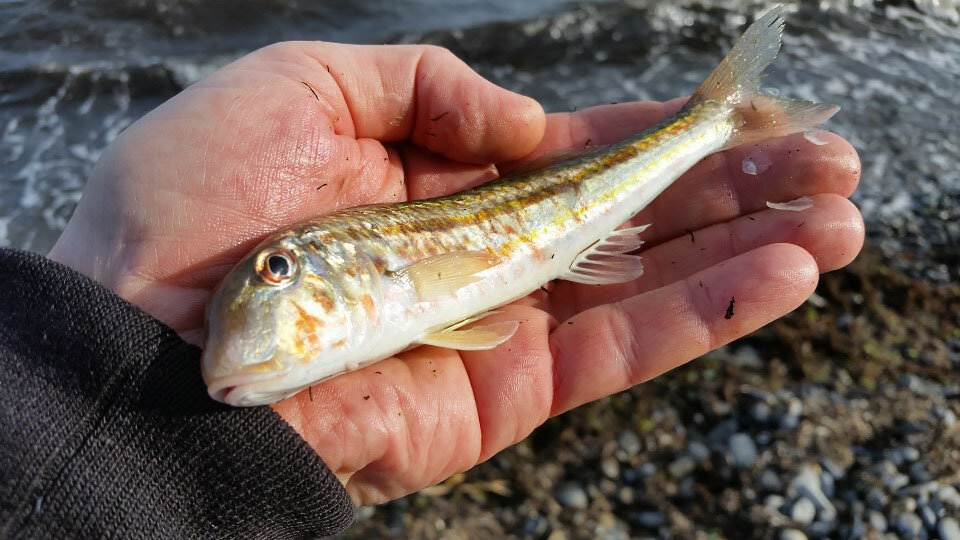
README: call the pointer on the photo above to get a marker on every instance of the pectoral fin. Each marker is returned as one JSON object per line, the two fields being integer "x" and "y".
{"x": 441, "y": 275}
{"x": 606, "y": 261}
{"x": 479, "y": 338}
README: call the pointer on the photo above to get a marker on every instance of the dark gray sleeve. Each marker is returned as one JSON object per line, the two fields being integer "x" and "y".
{"x": 106, "y": 429}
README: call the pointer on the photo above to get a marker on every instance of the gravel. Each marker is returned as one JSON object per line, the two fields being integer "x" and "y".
{"x": 803, "y": 511}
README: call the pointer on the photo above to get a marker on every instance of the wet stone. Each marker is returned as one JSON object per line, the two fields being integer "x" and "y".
{"x": 893, "y": 482}
{"x": 826, "y": 483}
{"x": 572, "y": 495}
{"x": 681, "y": 467}
{"x": 948, "y": 529}
{"x": 698, "y": 451}
{"x": 774, "y": 502}
{"x": 819, "y": 529}
{"x": 723, "y": 431}
{"x": 744, "y": 450}
{"x": 918, "y": 472}
{"x": 803, "y": 511}
{"x": 760, "y": 412}
{"x": 928, "y": 517}
{"x": 877, "y": 521}
{"x": 949, "y": 496}
{"x": 629, "y": 443}
{"x": 650, "y": 520}
{"x": 908, "y": 525}
{"x": 535, "y": 526}
{"x": 610, "y": 467}
{"x": 877, "y": 499}
{"x": 687, "y": 487}
{"x": 833, "y": 468}
{"x": 770, "y": 481}
{"x": 792, "y": 534}
{"x": 647, "y": 469}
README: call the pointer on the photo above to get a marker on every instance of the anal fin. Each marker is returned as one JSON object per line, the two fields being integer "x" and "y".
{"x": 606, "y": 261}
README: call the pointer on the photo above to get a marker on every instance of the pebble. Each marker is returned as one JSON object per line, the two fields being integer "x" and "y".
{"x": 826, "y": 483}
{"x": 791, "y": 418}
{"x": 948, "y": 529}
{"x": 648, "y": 469}
{"x": 610, "y": 467}
{"x": 744, "y": 450}
{"x": 626, "y": 495}
{"x": 833, "y": 468}
{"x": 774, "y": 502}
{"x": 629, "y": 443}
{"x": 807, "y": 484}
{"x": 949, "y": 418}
{"x": 928, "y": 517}
{"x": 535, "y": 526}
{"x": 687, "y": 488}
{"x": 792, "y": 534}
{"x": 651, "y": 520}
{"x": 365, "y": 512}
{"x": 723, "y": 431}
{"x": 819, "y": 529}
{"x": 857, "y": 529}
{"x": 918, "y": 472}
{"x": 698, "y": 451}
{"x": 949, "y": 496}
{"x": 803, "y": 511}
{"x": 895, "y": 481}
{"x": 760, "y": 412}
{"x": 877, "y": 499}
{"x": 770, "y": 481}
{"x": 909, "y": 525}
{"x": 877, "y": 521}
{"x": 572, "y": 495}
{"x": 682, "y": 466}
{"x": 910, "y": 453}
{"x": 747, "y": 357}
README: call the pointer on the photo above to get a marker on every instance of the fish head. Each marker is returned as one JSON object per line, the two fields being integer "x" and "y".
{"x": 277, "y": 312}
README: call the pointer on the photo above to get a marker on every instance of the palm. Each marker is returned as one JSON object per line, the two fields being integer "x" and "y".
{"x": 296, "y": 131}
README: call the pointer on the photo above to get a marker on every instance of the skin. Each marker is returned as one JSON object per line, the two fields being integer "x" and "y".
{"x": 296, "y": 130}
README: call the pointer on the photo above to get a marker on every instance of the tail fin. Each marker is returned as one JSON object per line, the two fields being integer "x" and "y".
{"x": 736, "y": 81}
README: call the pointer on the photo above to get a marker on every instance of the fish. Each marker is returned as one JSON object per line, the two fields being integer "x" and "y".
{"x": 359, "y": 285}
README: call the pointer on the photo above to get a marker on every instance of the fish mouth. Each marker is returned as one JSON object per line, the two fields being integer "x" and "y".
{"x": 240, "y": 389}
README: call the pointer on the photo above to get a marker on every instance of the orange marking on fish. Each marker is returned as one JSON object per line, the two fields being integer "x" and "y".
{"x": 368, "y": 305}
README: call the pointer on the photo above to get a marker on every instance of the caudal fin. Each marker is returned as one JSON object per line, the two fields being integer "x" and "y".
{"x": 736, "y": 82}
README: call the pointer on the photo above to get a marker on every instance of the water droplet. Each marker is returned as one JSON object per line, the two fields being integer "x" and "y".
{"x": 749, "y": 166}
{"x": 815, "y": 136}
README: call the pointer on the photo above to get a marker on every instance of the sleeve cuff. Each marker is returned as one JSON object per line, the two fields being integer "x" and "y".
{"x": 114, "y": 435}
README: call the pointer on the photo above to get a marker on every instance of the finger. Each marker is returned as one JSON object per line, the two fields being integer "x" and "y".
{"x": 605, "y": 124}
{"x": 417, "y": 92}
{"x": 831, "y": 232}
{"x": 613, "y": 347}
{"x": 431, "y": 175}
{"x": 717, "y": 189}
{"x": 513, "y": 383}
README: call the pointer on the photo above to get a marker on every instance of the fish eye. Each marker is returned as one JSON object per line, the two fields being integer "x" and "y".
{"x": 276, "y": 266}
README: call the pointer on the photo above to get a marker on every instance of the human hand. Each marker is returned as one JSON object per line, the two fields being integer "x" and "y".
{"x": 297, "y": 130}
